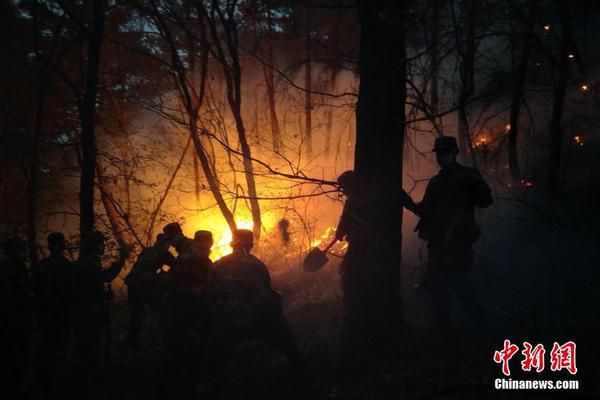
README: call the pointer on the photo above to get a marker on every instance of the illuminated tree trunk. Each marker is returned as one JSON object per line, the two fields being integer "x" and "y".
{"x": 192, "y": 100}
{"x": 248, "y": 169}
{"x": 87, "y": 113}
{"x": 329, "y": 111}
{"x": 211, "y": 178}
{"x": 332, "y": 82}
{"x": 308, "y": 104}
{"x": 196, "y": 177}
{"x": 270, "y": 85}
{"x": 227, "y": 47}
{"x": 371, "y": 270}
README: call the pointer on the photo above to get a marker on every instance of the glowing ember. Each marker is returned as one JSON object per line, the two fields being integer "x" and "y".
{"x": 546, "y": 27}
{"x": 578, "y": 139}
{"x": 325, "y": 238}
{"x": 480, "y": 143}
{"x": 507, "y": 128}
{"x": 526, "y": 183}
{"x": 584, "y": 88}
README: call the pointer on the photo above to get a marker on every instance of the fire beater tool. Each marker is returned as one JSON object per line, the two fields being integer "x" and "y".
{"x": 317, "y": 258}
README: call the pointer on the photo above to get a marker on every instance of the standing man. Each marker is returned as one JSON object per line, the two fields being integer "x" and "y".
{"x": 186, "y": 287}
{"x": 251, "y": 346}
{"x": 90, "y": 304}
{"x": 142, "y": 285}
{"x": 15, "y": 316}
{"x": 349, "y": 223}
{"x": 52, "y": 288}
{"x": 447, "y": 224}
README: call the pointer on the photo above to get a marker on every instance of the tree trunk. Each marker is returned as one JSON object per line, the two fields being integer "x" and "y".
{"x": 196, "y": 177}
{"x": 308, "y": 104}
{"x": 519, "y": 76}
{"x": 434, "y": 56}
{"x": 211, "y": 178}
{"x": 32, "y": 184}
{"x": 371, "y": 268}
{"x": 163, "y": 197}
{"x": 248, "y": 170}
{"x": 270, "y": 84}
{"x": 332, "y": 84}
{"x": 560, "y": 89}
{"x": 38, "y": 117}
{"x": 467, "y": 51}
{"x": 118, "y": 228}
{"x": 233, "y": 81}
{"x": 87, "y": 112}
{"x": 329, "y": 110}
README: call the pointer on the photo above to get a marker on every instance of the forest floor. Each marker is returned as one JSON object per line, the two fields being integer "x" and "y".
{"x": 540, "y": 283}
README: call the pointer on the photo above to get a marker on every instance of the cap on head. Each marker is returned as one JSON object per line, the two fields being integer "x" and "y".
{"x": 346, "y": 179}
{"x": 242, "y": 237}
{"x": 173, "y": 229}
{"x": 203, "y": 238}
{"x": 445, "y": 144}
{"x": 56, "y": 239}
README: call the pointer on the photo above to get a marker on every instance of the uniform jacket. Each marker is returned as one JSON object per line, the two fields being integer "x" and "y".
{"x": 447, "y": 210}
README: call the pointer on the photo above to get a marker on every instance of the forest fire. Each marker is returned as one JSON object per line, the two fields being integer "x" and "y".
{"x": 326, "y": 237}
{"x": 222, "y": 234}
{"x": 295, "y": 199}
{"x": 481, "y": 143}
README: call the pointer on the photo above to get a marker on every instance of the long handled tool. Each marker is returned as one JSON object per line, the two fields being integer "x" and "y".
{"x": 317, "y": 258}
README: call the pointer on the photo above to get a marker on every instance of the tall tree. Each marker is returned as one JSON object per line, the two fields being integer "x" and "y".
{"x": 308, "y": 103}
{"x": 560, "y": 89}
{"x": 189, "y": 78}
{"x": 94, "y": 33}
{"x": 268, "y": 39}
{"x": 371, "y": 271}
{"x": 434, "y": 55}
{"x": 466, "y": 50}
{"x": 222, "y": 22}
{"x": 518, "y": 81}
{"x": 44, "y": 58}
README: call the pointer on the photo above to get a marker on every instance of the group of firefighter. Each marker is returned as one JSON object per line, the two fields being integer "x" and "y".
{"x": 222, "y": 321}
{"x": 214, "y": 318}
